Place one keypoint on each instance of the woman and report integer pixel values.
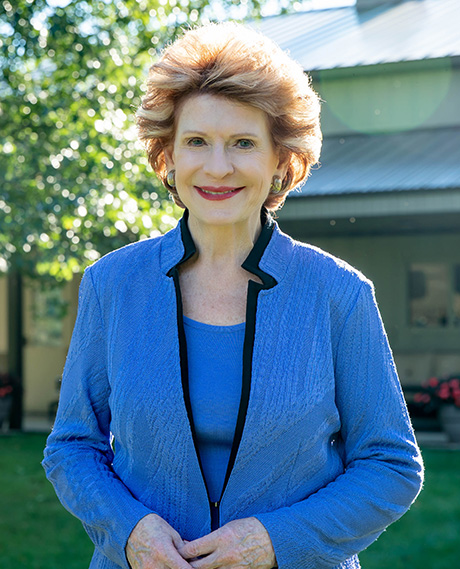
(246, 378)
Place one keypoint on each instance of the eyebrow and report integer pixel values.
(236, 135)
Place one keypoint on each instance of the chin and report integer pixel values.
(229, 217)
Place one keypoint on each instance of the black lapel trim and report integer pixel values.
(187, 241)
(189, 250)
(251, 264)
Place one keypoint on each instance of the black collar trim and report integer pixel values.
(250, 264)
(187, 240)
(252, 261)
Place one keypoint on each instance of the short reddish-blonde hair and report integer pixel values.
(236, 62)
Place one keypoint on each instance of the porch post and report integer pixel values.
(15, 345)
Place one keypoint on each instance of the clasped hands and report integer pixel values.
(243, 543)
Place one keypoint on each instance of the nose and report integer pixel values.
(218, 163)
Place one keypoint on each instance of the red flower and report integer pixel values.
(4, 391)
(439, 392)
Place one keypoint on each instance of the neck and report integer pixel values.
(227, 245)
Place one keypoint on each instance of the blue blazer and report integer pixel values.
(324, 454)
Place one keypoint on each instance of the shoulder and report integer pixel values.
(324, 279)
(316, 263)
(126, 261)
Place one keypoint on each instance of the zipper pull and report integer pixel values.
(214, 515)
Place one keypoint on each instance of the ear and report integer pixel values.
(168, 153)
(283, 162)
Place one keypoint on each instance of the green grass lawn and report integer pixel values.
(37, 533)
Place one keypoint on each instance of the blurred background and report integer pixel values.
(75, 184)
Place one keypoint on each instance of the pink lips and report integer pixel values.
(217, 193)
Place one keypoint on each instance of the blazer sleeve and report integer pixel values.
(78, 455)
(383, 469)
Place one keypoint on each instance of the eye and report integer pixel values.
(195, 141)
(245, 143)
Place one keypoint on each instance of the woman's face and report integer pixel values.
(224, 160)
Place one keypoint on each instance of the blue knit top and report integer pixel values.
(215, 362)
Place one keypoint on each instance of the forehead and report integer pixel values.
(215, 114)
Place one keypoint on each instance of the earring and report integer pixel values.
(171, 179)
(277, 185)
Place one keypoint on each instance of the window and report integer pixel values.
(48, 311)
(434, 295)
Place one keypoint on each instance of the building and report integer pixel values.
(386, 197)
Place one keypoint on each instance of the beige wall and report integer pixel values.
(42, 365)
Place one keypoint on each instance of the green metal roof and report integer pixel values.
(346, 37)
(413, 160)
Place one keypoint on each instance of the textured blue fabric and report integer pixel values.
(215, 361)
(327, 458)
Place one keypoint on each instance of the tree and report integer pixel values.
(74, 182)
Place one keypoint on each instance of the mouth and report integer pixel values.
(217, 193)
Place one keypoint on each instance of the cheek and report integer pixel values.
(262, 186)
(264, 174)
(185, 164)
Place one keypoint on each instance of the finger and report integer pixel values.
(177, 541)
(209, 562)
(176, 561)
(201, 546)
